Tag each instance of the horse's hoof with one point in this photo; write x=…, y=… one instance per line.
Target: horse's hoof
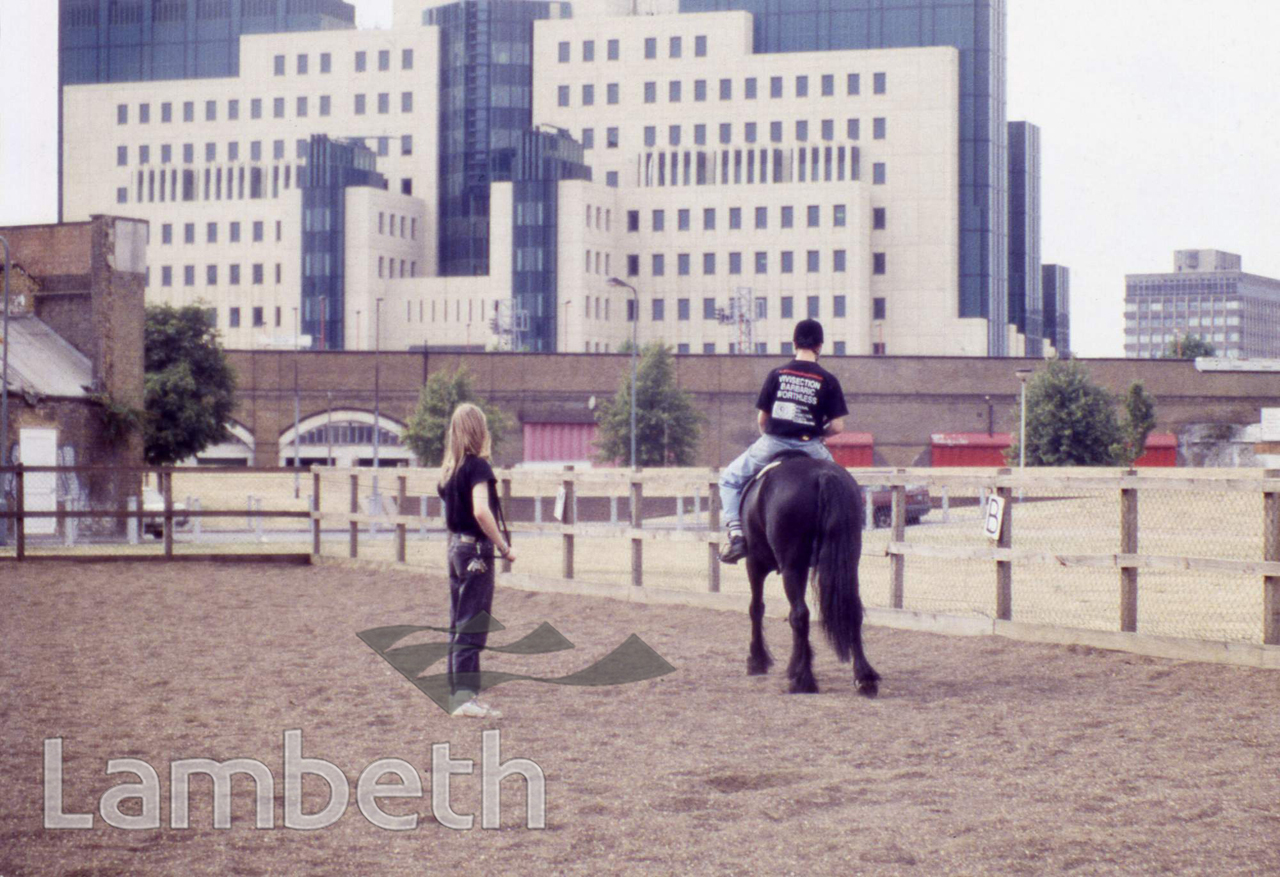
x=758, y=666
x=804, y=687
x=870, y=688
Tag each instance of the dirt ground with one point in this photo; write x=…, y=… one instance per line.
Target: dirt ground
x=980, y=756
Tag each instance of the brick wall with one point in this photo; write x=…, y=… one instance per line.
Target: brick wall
x=901, y=400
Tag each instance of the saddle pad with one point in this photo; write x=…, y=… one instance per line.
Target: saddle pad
x=759, y=476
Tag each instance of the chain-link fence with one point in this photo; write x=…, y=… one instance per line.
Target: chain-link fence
x=1167, y=554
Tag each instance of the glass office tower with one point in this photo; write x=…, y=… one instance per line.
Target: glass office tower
x=486, y=105
x=1026, y=299
x=331, y=166
x=1056, y=284
x=977, y=29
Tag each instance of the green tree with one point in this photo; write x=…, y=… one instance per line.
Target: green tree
x=1188, y=347
x=189, y=387
x=667, y=423
x=1072, y=421
x=442, y=393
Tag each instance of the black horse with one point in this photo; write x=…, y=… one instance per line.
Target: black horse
x=807, y=514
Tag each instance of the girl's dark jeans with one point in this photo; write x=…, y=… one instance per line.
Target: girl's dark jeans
x=470, y=595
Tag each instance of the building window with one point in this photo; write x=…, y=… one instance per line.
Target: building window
x=749, y=88
x=650, y=92
x=211, y=275
x=166, y=112
x=682, y=264
x=735, y=217
x=877, y=263
x=775, y=86
x=326, y=105
x=650, y=48
x=762, y=308
x=878, y=83
x=406, y=102
x=813, y=215
x=787, y=262
x=211, y=232
x=708, y=309
x=233, y=318
x=384, y=59
x=588, y=138
x=878, y=218
x=775, y=132
x=726, y=89
x=762, y=262
x=762, y=217
x=811, y=258
x=211, y=111
x=144, y=154
x=564, y=52
x=708, y=263
x=189, y=233
x=360, y=105
x=838, y=261
x=144, y=114
x=384, y=103
x=699, y=89
x=611, y=138
x=828, y=129
x=838, y=348
x=878, y=173
x=122, y=195
x=787, y=307
x=234, y=275
x=877, y=128
x=828, y=85
x=258, y=319
x=659, y=265
x=588, y=95
x=188, y=153
x=658, y=222
x=709, y=347
x=788, y=217
x=234, y=233
x=166, y=154
x=811, y=307
x=735, y=263
x=633, y=265
x=837, y=306
x=611, y=179
x=853, y=129
x=708, y=219
x=877, y=309
x=802, y=86
x=326, y=62
x=673, y=135
x=700, y=46
x=749, y=132
x=611, y=92
x=650, y=135
x=406, y=59
x=699, y=135
x=674, y=48
x=277, y=108
x=683, y=219
x=255, y=108
x=726, y=132
x=611, y=50
x=188, y=275
x=257, y=274
x=802, y=130
x=588, y=50
x=257, y=231
x=301, y=110
x=854, y=85
x=189, y=111
x=166, y=276
x=279, y=65
x=302, y=65
x=361, y=62
x=122, y=156
x=659, y=308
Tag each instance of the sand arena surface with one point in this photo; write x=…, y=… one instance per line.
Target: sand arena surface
x=980, y=756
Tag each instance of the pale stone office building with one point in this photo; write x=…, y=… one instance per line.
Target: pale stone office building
x=736, y=192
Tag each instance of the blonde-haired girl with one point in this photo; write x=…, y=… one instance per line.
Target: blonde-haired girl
x=469, y=490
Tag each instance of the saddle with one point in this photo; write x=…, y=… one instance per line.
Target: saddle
x=778, y=459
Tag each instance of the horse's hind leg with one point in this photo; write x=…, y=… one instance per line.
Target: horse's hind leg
x=800, y=670
x=867, y=679
x=758, y=658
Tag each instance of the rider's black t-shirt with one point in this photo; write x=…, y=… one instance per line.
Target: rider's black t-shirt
x=801, y=398
x=459, y=514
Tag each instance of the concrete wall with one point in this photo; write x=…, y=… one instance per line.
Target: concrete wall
x=901, y=400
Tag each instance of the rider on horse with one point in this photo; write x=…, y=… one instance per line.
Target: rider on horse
x=799, y=404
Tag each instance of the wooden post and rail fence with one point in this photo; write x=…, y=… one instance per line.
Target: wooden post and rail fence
x=1126, y=561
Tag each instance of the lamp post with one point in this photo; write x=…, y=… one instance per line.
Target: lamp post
x=377, y=386
x=635, y=321
x=328, y=429
x=4, y=384
x=297, y=406
x=1023, y=374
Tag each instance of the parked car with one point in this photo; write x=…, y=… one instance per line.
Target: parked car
x=153, y=506
x=918, y=504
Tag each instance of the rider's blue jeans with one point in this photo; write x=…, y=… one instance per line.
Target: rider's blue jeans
x=733, y=480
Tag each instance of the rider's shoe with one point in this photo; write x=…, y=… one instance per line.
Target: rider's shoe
x=735, y=550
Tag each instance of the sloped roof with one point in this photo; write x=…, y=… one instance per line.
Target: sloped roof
x=44, y=363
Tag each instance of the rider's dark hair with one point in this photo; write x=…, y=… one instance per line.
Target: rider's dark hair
x=808, y=335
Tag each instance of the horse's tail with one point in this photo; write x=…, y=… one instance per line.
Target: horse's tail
x=836, y=552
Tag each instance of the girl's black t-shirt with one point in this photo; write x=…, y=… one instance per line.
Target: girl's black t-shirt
x=456, y=492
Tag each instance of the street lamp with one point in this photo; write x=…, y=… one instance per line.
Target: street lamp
x=635, y=321
x=4, y=383
x=377, y=394
x=1023, y=374
x=297, y=472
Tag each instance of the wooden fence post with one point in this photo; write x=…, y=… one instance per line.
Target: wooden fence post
x=637, y=545
x=506, y=509
x=19, y=523
x=1271, y=551
x=713, y=524
x=1004, y=568
x=402, y=500
x=355, y=510
x=315, y=509
x=569, y=520
x=898, y=562
x=1129, y=545
x=166, y=483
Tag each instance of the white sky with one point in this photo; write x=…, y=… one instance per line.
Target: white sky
x=1159, y=121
